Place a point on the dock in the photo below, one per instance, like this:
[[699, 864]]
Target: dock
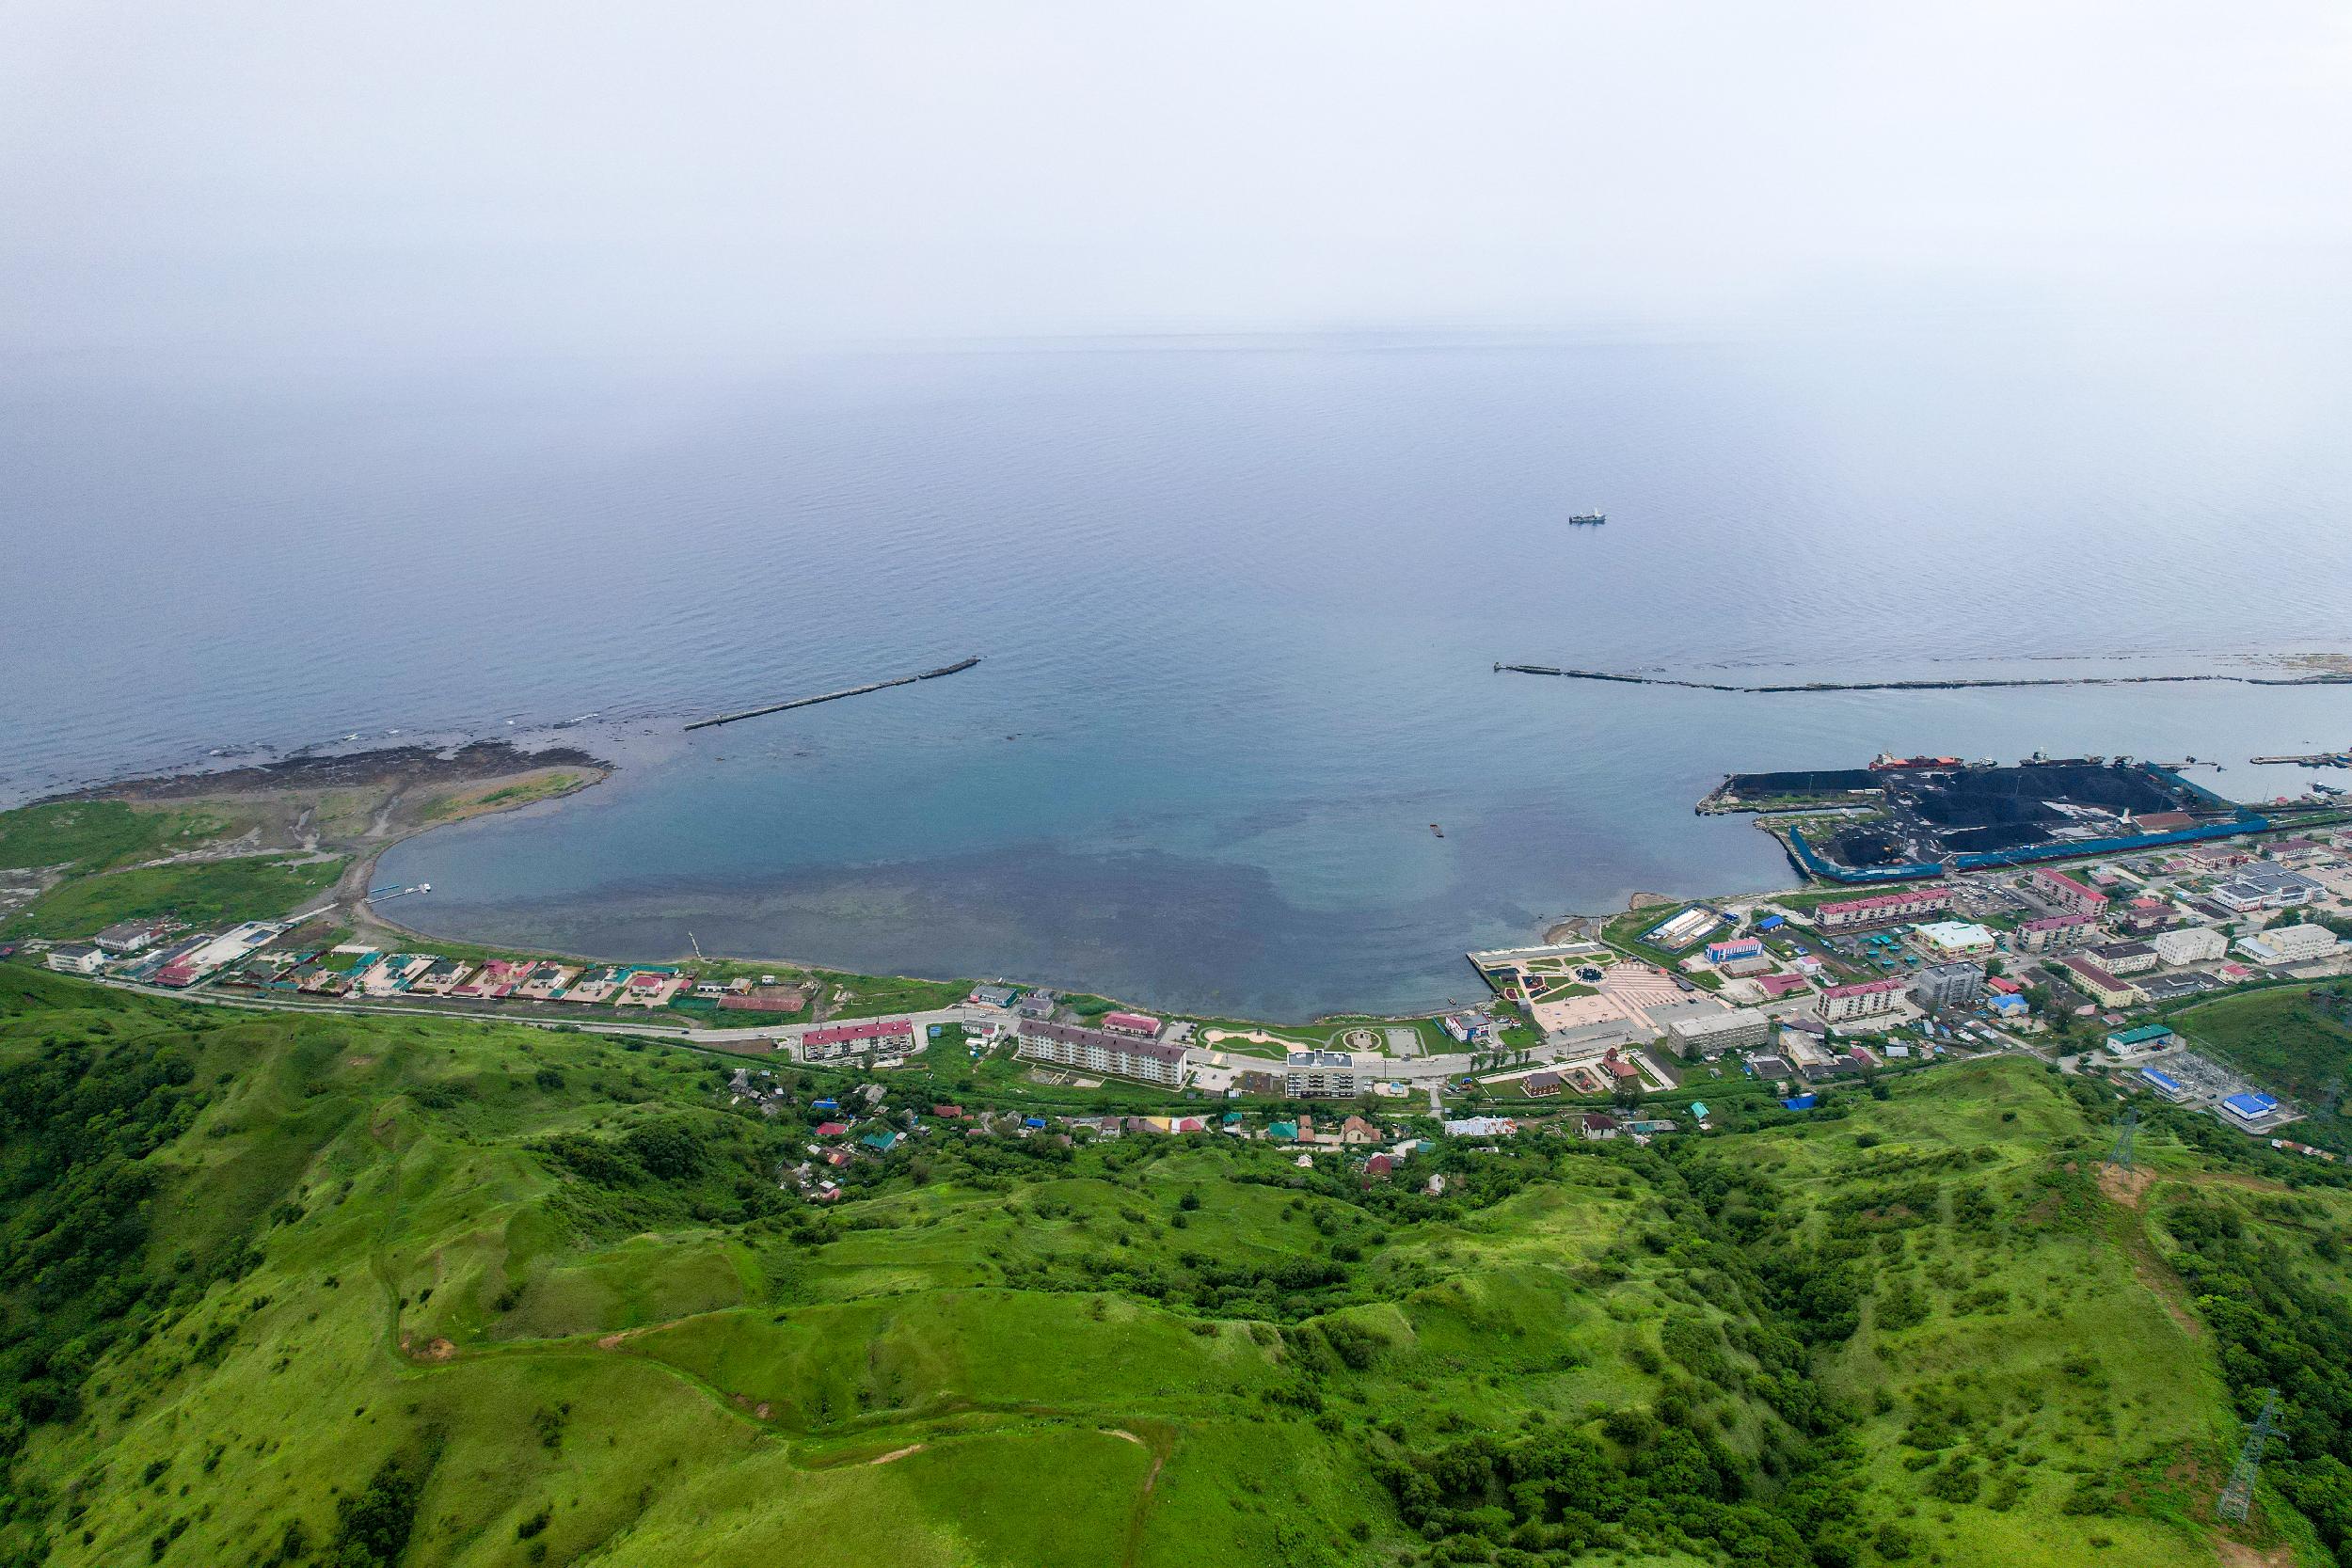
[[834, 696], [2321, 759]]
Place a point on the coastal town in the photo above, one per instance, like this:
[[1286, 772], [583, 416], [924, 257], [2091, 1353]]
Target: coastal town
[[1617, 1027]]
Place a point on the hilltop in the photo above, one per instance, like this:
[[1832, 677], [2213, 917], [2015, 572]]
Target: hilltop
[[311, 1288]]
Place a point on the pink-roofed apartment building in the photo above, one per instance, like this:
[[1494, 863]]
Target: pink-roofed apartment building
[[1867, 1000], [867, 1037], [1883, 908], [2055, 932], [2058, 887]]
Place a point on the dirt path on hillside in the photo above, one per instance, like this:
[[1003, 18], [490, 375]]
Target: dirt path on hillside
[[2128, 1190], [1159, 1447]]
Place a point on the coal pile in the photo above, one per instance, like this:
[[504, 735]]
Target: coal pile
[[1980, 810], [1837, 781]]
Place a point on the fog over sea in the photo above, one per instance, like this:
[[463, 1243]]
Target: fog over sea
[[1238, 601]]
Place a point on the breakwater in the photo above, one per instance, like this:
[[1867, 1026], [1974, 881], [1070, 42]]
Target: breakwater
[[2329, 678], [834, 696]]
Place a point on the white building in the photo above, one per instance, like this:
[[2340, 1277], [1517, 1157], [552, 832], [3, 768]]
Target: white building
[[1321, 1075], [76, 958], [2289, 944], [2191, 944], [1953, 941], [1481, 1127], [2265, 887], [1712, 1034]]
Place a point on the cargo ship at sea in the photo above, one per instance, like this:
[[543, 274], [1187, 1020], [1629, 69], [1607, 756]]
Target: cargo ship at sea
[[1589, 519]]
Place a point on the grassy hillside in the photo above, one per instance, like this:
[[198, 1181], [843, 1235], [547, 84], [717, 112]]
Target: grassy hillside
[[289, 1289]]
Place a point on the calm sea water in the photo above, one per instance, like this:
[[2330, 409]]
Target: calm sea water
[[1239, 603]]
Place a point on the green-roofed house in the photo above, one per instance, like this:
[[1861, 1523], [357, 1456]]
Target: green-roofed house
[[2141, 1041], [880, 1143], [1283, 1131]]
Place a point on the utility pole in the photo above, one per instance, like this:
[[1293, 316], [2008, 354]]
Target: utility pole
[[2125, 1120], [2237, 1496]]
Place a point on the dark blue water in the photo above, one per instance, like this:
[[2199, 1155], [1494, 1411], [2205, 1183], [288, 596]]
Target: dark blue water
[[1239, 603]]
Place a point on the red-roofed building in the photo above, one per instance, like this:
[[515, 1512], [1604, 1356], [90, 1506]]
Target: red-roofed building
[[832, 1129], [2057, 886], [1999, 986], [1867, 1000], [2056, 931], [948, 1113], [1883, 908], [1778, 986], [865, 1037], [1141, 1025]]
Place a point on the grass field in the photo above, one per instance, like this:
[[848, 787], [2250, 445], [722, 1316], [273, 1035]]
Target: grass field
[[495, 1296], [201, 893], [93, 835]]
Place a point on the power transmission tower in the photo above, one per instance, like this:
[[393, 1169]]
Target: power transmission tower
[[2125, 1120], [2238, 1495]]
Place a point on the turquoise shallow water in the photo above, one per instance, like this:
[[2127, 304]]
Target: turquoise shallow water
[[1239, 605]]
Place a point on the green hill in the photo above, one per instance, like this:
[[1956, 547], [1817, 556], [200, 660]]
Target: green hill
[[311, 1289]]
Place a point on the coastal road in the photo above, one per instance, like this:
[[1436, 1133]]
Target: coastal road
[[681, 1033]]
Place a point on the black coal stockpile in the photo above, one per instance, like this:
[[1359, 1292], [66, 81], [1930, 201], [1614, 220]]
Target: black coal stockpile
[[1836, 780]]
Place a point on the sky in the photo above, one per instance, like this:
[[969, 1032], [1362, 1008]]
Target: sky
[[596, 174]]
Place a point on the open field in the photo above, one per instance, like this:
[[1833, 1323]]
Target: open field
[[95, 835], [202, 893]]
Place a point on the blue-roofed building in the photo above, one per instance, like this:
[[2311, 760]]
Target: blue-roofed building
[[1800, 1102], [1698, 1110], [1770, 923], [1033, 1122], [828, 1105], [2250, 1107], [2163, 1084]]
